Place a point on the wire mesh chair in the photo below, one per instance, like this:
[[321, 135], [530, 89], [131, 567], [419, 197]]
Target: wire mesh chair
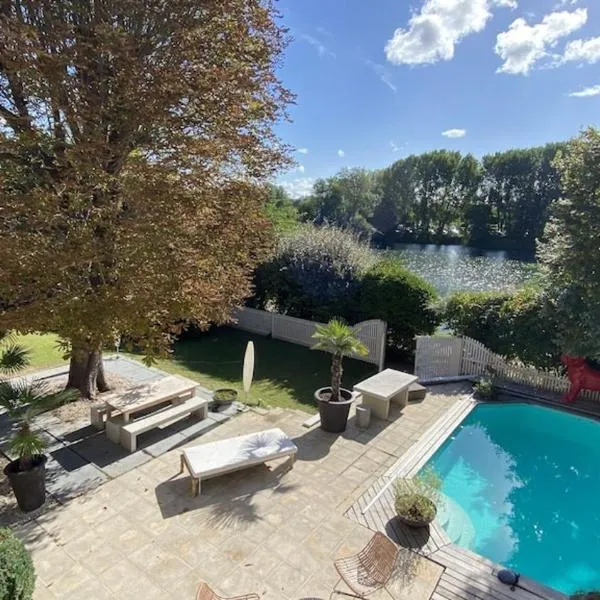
[[370, 569], [206, 593]]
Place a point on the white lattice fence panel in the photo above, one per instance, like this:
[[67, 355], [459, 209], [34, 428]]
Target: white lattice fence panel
[[255, 321], [438, 357]]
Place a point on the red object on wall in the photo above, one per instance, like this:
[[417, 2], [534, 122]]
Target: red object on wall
[[581, 376]]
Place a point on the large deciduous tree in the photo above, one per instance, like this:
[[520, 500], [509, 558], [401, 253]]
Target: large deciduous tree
[[571, 247], [134, 135]]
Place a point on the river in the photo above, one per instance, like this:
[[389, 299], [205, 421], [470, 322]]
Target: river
[[461, 268]]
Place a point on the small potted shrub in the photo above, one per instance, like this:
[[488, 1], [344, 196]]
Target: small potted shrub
[[334, 401], [23, 401], [17, 577], [417, 499], [224, 396], [485, 388]]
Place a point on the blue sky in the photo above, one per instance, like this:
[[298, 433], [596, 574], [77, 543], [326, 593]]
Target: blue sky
[[380, 79]]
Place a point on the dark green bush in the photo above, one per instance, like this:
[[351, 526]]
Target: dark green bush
[[516, 325], [322, 273], [17, 576], [390, 292], [314, 273]]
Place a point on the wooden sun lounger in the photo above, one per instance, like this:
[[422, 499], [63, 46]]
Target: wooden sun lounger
[[233, 454]]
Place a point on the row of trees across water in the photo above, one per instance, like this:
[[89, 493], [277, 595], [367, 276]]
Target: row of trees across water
[[500, 201]]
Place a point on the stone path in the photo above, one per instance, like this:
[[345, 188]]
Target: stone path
[[80, 458], [268, 530]]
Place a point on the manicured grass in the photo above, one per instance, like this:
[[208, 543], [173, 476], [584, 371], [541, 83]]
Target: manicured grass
[[285, 375], [43, 350]]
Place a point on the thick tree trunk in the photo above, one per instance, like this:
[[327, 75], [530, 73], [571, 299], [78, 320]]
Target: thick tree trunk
[[86, 371]]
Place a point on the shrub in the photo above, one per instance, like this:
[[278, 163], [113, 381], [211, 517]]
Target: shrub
[[313, 273], [515, 325], [17, 576], [390, 292]]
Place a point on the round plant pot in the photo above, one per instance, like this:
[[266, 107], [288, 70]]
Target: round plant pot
[[224, 396], [416, 521], [29, 486], [334, 415]]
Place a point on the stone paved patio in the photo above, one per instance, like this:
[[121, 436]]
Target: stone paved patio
[[269, 530]]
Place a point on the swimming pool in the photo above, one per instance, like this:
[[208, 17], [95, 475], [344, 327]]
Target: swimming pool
[[522, 488]]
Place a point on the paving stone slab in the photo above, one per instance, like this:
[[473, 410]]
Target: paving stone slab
[[161, 446]]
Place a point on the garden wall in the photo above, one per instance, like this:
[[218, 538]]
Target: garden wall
[[299, 331]]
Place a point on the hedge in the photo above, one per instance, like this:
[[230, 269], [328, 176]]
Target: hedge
[[17, 578], [321, 273], [517, 325]]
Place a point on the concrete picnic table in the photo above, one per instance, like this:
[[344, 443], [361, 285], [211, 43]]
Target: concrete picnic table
[[385, 387]]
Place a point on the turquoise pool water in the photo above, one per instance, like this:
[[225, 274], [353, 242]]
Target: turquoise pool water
[[523, 489]]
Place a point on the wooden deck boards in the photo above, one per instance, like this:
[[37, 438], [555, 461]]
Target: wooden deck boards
[[466, 575]]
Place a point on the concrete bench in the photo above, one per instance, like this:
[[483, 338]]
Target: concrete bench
[[233, 454], [120, 432]]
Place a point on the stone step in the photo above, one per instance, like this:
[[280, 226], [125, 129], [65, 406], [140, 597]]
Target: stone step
[[416, 392]]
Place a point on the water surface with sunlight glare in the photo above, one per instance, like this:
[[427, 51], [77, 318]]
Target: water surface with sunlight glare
[[522, 488]]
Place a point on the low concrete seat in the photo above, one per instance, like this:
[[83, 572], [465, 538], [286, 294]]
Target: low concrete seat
[[233, 454], [126, 433]]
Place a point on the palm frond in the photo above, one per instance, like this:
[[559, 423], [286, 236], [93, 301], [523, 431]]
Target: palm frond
[[338, 338], [13, 359]]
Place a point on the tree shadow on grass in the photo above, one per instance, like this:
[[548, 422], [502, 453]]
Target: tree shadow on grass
[[280, 369]]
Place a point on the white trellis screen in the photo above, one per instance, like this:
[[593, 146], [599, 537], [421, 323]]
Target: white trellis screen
[[300, 331], [446, 356]]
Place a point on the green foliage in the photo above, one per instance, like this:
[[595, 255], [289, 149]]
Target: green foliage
[[17, 576], [346, 200], [313, 273], [281, 210], [338, 339], [24, 400], [485, 388], [516, 325], [225, 395], [570, 248], [418, 497], [320, 273], [390, 292]]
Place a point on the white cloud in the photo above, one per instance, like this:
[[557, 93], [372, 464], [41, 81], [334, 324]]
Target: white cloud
[[382, 73], [302, 150], [394, 146], [324, 31], [582, 51], [341, 153], [433, 33], [301, 168], [522, 46], [454, 133], [594, 90], [298, 188], [317, 44]]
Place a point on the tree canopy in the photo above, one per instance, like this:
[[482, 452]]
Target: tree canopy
[[135, 138], [570, 248]]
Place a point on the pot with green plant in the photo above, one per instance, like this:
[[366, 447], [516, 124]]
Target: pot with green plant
[[417, 499], [23, 400], [485, 388], [334, 401], [224, 396]]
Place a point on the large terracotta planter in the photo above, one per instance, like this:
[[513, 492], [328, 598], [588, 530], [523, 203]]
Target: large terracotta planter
[[334, 415], [28, 486]]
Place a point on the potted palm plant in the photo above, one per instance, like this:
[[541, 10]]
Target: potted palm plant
[[334, 401], [23, 400]]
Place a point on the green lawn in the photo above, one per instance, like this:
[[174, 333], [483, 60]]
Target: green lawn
[[43, 350], [285, 375]]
